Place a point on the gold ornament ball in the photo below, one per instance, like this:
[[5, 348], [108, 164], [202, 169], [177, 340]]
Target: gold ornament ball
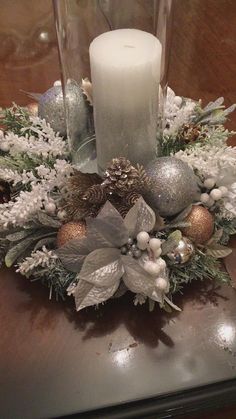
[[202, 225], [70, 231]]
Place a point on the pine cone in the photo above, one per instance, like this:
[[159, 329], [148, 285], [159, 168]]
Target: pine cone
[[120, 176], [96, 194], [80, 182], [119, 204], [77, 209], [131, 198], [145, 181], [191, 133]]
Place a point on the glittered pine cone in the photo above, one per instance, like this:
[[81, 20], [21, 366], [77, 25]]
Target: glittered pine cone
[[96, 194], [131, 198], [120, 204], [191, 133], [120, 176]]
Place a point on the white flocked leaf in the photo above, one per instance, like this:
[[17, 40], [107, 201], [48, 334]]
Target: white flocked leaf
[[73, 254], [102, 267], [107, 229], [86, 294], [140, 218]]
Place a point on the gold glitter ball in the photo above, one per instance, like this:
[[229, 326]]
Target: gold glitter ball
[[70, 231], [202, 225]]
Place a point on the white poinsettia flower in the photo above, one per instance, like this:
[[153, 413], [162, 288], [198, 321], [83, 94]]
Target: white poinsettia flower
[[98, 260]]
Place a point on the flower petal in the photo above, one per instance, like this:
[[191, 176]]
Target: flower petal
[[102, 267], [140, 218], [107, 229], [87, 294], [73, 254]]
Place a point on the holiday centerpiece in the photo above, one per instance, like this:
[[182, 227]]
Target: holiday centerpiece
[[100, 191], [145, 229]]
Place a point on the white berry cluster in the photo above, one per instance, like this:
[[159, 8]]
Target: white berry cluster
[[151, 261], [213, 193]]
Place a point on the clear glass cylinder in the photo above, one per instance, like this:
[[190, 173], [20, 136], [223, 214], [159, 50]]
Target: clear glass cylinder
[[122, 47]]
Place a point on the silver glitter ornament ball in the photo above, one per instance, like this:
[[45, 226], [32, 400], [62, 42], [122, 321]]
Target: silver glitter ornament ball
[[174, 185], [51, 108]]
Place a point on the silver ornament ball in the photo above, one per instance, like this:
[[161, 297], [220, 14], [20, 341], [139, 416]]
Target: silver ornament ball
[[51, 108], [183, 252], [174, 185]]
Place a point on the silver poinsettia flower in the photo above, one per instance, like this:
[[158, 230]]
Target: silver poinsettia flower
[[98, 260]]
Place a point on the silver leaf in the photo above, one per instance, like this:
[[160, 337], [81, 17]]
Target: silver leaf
[[140, 218], [102, 267], [48, 221], [73, 254], [87, 294], [218, 251], [107, 229], [19, 235]]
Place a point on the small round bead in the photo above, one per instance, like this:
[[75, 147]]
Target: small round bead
[[210, 183], [223, 190], [129, 253], [123, 250], [151, 267], [130, 241], [137, 253], [161, 263], [4, 147], [57, 83], [216, 194], [210, 202], [44, 37], [142, 240], [178, 101], [154, 244], [133, 247], [204, 198], [157, 253], [161, 284], [61, 214], [50, 207]]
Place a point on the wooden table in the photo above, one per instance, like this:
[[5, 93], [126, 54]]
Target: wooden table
[[54, 361]]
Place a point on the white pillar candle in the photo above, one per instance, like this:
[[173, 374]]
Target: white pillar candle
[[125, 71]]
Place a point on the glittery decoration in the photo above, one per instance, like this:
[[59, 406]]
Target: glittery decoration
[[183, 252], [202, 225], [70, 231], [51, 108], [174, 185]]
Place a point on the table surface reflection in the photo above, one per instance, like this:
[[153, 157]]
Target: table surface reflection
[[58, 361]]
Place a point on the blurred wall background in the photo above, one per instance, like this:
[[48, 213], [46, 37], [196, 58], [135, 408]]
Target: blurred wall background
[[202, 65]]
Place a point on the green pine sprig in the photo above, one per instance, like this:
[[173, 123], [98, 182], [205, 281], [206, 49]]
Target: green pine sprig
[[201, 267], [55, 277], [15, 118]]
